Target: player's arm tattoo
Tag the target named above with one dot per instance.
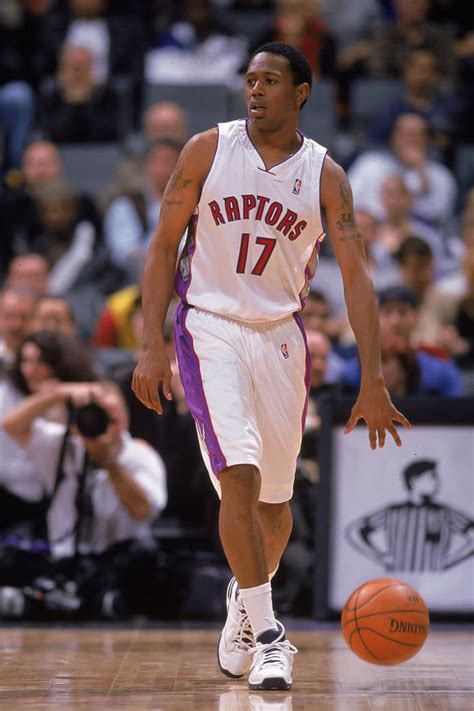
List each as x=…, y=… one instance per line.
x=347, y=223
x=176, y=183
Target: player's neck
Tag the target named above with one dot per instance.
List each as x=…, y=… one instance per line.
x=275, y=145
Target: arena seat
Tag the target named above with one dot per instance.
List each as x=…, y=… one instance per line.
x=318, y=116
x=370, y=96
x=89, y=167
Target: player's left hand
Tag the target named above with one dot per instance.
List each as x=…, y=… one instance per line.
x=375, y=407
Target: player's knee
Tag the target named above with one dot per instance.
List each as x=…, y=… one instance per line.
x=274, y=514
x=241, y=481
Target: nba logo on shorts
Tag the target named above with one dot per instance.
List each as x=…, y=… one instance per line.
x=296, y=187
x=284, y=350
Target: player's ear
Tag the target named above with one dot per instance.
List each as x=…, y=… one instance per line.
x=302, y=93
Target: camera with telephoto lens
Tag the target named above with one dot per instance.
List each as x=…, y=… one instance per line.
x=91, y=420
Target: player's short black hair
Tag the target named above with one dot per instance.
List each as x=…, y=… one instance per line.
x=416, y=469
x=299, y=65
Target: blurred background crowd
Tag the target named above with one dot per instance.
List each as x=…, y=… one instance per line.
x=97, y=98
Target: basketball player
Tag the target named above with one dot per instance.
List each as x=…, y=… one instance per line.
x=251, y=193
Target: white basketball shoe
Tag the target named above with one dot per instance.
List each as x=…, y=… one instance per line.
x=236, y=641
x=272, y=663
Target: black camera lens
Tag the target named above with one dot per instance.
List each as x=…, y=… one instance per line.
x=91, y=420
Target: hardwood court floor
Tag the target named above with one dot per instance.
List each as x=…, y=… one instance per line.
x=175, y=670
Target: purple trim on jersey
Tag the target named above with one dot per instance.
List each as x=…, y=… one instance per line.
x=307, y=375
x=309, y=274
x=182, y=284
x=191, y=378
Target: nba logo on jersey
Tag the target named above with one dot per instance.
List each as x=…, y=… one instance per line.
x=284, y=350
x=296, y=187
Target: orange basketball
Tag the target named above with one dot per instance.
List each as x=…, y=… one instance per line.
x=385, y=621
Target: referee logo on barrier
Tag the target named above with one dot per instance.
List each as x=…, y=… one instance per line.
x=419, y=534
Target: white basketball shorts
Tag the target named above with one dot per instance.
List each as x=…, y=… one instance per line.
x=246, y=386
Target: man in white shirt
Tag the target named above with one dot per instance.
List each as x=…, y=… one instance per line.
x=107, y=488
x=431, y=184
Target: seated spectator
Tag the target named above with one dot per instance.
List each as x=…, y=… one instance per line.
x=431, y=184
x=130, y=220
x=108, y=37
x=28, y=271
x=165, y=119
x=53, y=313
x=317, y=315
x=21, y=23
x=19, y=31
x=459, y=338
x=80, y=266
x=411, y=30
x=41, y=357
x=41, y=165
x=317, y=319
x=415, y=259
x=16, y=310
x=382, y=266
x=106, y=490
x=423, y=95
x=197, y=48
x=398, y=309
x=417, y=273
x=400, y=367
x=319, y=347
x=446, y=314
x=298, y=23
x=78, y=109
x=399, y=223
x=17, y=110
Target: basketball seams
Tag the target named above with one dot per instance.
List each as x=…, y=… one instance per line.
x=390, y=639
x=386, y=612
x=377, y=592
x=379, y=661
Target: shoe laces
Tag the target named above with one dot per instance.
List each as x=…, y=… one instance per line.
x=276, y=653
x=244, y=638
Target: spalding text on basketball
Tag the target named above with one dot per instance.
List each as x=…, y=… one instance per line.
x=412, y=627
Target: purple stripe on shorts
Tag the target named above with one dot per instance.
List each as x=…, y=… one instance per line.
x=191, y=378
x=307, y=375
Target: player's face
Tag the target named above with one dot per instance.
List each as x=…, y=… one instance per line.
x=270, y=93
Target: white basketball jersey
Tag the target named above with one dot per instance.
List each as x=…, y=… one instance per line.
x=252, y=245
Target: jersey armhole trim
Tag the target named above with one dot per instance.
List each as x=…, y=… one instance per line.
x=214, y=160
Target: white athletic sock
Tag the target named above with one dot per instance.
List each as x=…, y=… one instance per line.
x=259, y=607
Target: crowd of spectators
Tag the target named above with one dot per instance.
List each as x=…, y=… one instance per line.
x=77, y=72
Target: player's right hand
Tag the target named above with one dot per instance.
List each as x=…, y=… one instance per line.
x=151, y=374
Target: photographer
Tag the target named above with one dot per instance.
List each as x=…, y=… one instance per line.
x=106, y=489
